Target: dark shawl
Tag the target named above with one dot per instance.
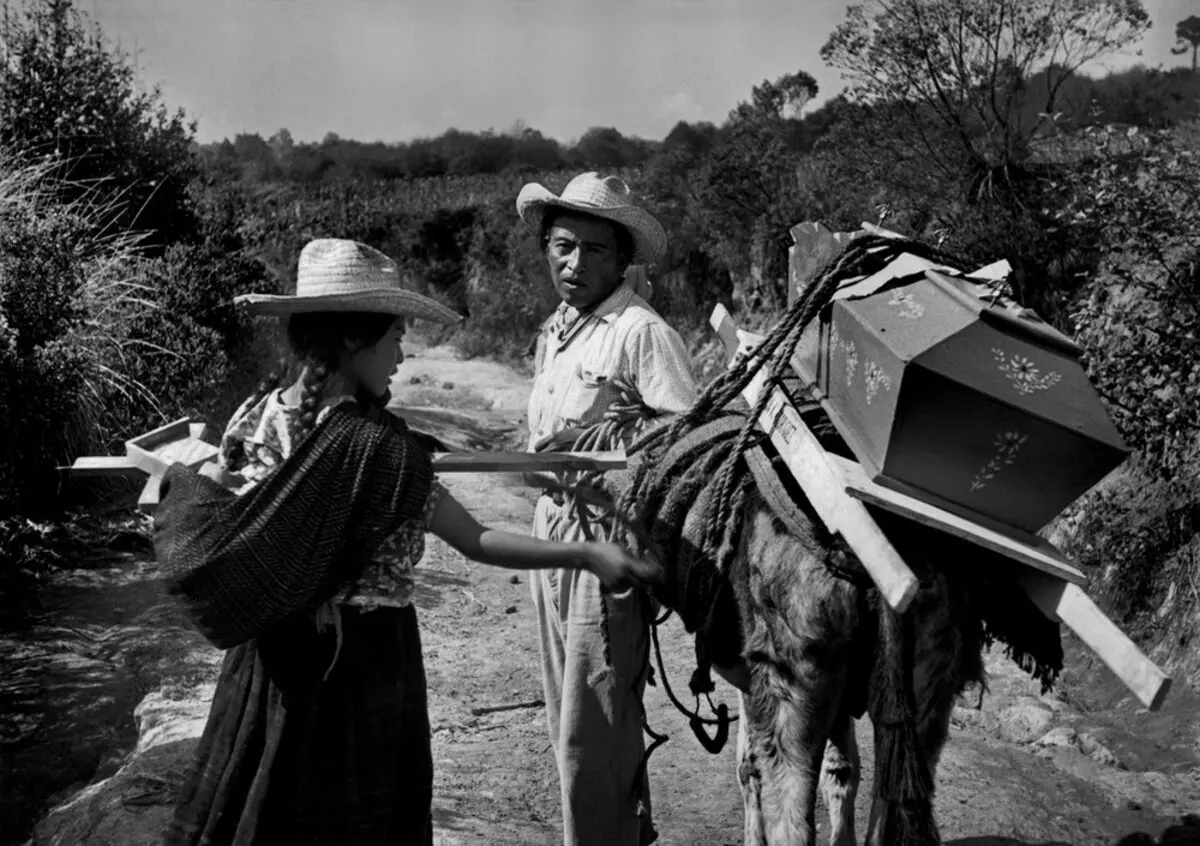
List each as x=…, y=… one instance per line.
x=242, y=565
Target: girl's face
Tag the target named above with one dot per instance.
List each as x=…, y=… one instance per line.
x=372, y=367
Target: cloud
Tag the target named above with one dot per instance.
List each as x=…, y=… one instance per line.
x=680, y=106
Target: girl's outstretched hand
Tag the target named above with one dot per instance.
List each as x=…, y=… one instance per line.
x=617, y=568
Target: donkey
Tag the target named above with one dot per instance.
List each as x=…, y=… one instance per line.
x=814, y=647
x=809, y=637
x=784, y=610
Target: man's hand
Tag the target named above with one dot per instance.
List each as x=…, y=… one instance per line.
x=561, y=441
x=628, y=407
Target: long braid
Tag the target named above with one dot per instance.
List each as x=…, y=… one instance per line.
x=312, y=391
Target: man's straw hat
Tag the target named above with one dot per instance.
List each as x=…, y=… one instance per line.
x=603, y=196
x=336, y=274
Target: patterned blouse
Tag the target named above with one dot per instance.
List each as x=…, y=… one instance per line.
x=269, y=431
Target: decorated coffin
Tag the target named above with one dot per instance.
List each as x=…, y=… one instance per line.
x=952, y=393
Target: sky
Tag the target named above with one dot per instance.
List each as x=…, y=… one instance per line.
x=393, y=70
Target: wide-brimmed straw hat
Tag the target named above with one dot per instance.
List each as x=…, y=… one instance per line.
x=337, y=274
x=607, y=197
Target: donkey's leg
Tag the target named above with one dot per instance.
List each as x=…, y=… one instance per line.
x=786, y=729
x=798, y=629
x=749, y=777
x=840, y=774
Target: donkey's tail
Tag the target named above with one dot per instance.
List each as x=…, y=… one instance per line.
x=903, y=810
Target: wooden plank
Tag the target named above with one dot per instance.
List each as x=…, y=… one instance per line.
x=103, y=465
x=148, y=499
x=825, y=488
x=1028, y=549
x=1067, y=602
x=522, y=462
x=443, y=462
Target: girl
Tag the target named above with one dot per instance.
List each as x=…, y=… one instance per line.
x=319, y=729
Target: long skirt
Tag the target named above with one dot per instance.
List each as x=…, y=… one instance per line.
x=288, y=757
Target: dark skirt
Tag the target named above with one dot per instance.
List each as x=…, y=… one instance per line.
x=287, y=758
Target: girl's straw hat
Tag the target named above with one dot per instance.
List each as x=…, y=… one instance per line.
x=336, y=274
x=602, y=196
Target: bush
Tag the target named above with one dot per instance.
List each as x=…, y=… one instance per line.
x=508, y=294
x=1139, y=317
x=66, y=96
x=98, y=342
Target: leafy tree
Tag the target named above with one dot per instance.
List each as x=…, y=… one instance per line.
x=604, y=148
x=695, y=137
x=950, y=78
x=65, y=94
x=1139, y=197
x=748, y=190
x=1187, y=33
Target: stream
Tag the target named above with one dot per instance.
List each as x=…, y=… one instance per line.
x=75, y=659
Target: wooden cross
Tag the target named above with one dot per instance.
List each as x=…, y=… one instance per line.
x=181, y=442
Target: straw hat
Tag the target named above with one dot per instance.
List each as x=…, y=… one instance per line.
x=336, y=274
x=603, y=196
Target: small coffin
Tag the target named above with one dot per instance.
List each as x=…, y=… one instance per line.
x=950, y=393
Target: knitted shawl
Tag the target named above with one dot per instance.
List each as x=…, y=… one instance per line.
x=242, y=565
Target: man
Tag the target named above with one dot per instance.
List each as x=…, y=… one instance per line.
x=603, y=347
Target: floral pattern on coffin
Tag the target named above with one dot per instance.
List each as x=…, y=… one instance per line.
x=1025, y=377
x=1007, y=445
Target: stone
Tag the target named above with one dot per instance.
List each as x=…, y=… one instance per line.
x=1059, y=737
x=1025, y=722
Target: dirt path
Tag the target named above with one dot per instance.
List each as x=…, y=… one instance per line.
x=1105, y=770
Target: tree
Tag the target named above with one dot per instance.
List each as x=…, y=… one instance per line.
x=950, y=77
x=694, y=137
x=782, y=99
x=1187, y=33
x=283, y=147
x=65, y=94
x=749, y=191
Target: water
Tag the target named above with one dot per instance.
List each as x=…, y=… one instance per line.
x=74, y=663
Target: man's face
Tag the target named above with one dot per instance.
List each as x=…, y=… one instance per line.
x=583, y=259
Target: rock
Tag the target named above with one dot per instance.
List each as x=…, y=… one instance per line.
x=447, y=386
x=514, y=580
x=512, y=609
x=1060, y=737
x=963, y=717
x=134, y=806
x=162, y=719
x=1099, y=753
x=1025, y=721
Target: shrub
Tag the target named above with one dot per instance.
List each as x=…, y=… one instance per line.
x=65, y=94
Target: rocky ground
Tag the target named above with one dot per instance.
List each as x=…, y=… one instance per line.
x=104, y=690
